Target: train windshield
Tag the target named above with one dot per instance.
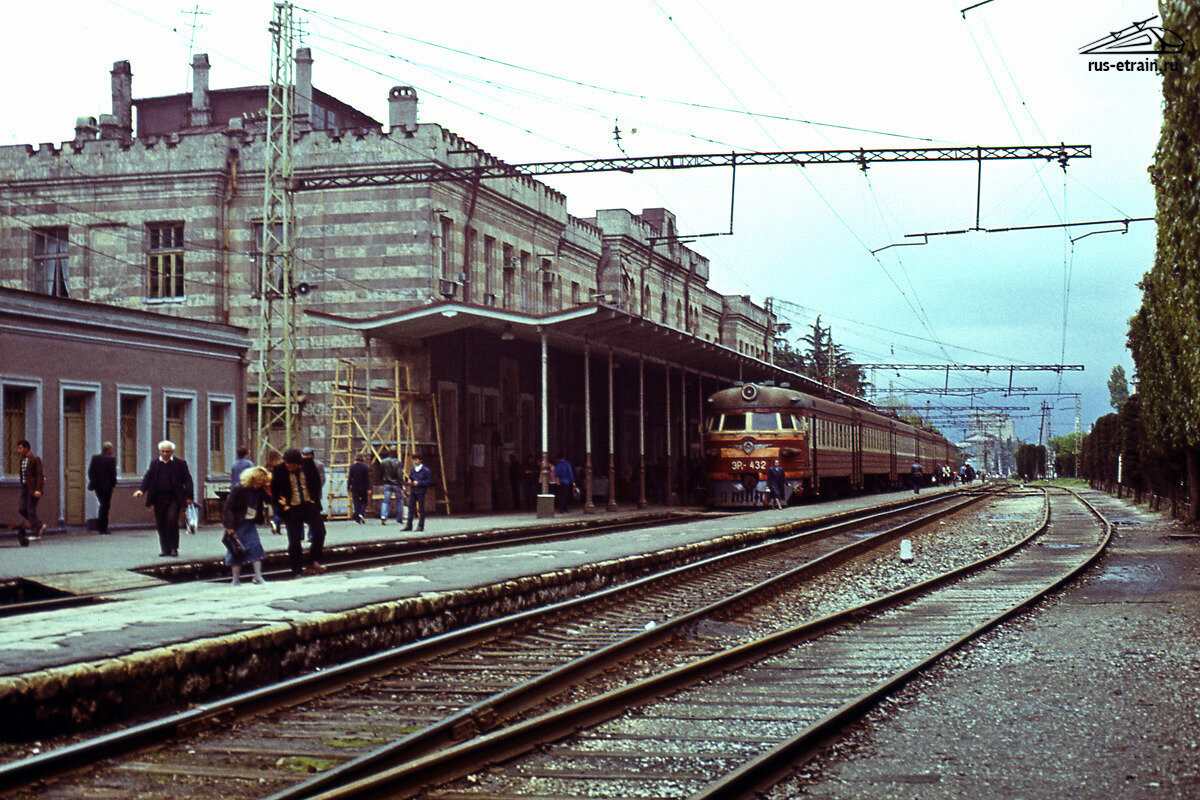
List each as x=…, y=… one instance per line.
x=756, y=421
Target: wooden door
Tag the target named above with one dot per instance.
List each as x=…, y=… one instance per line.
x=74, y=460
x=174, y=426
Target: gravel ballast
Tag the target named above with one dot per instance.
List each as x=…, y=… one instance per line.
x=1092, y=694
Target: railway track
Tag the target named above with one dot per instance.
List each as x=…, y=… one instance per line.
x=736, y=722
x=496, y=672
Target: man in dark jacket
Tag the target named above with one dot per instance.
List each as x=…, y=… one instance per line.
x=777, y=484
x=33, y=483
x=418, y=483
x=296, y=489
x=391, y=475
x=167, y=486
x=102, y=479
x=359, y=483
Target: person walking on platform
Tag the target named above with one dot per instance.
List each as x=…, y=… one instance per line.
x=529, y=483
x=391, y=475
x=311, y=455
x=917, y=475
x=358, y=481
x=566, y=483
x=419, y=481
x=102, y=479
x=243, y=463
x=33, y=483
x=777, y=484
x=167, y=487
x=274, y=459
x=296, y=487
x=241, y=515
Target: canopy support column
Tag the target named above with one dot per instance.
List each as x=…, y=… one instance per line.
x=641, y=432
x=589, y=507
x=612, y=440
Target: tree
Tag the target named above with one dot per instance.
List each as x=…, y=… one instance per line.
x=821, y=359
x=1118, y=388
x=1164, y=336
x=1031, y=461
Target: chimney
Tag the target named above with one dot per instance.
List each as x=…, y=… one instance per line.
x=122, y=101
x=402, y=109
x=86, y=129
x=198, y=115
x=110, y=128
x=304, y=89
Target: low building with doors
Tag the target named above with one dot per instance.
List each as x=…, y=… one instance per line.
x=76, y=374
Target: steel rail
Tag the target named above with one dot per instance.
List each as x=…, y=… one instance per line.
x=423, y=773
x=769, y=768
x=226, y=710
x=489, y=712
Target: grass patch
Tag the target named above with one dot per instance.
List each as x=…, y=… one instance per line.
x=306, y=764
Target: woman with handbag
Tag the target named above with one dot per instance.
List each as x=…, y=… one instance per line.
x=242, y=513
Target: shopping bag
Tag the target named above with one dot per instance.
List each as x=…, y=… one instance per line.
x=193, y=518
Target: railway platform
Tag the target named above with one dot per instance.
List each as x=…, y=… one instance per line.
x=165, y=644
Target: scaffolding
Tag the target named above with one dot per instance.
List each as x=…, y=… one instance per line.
x=373, y=408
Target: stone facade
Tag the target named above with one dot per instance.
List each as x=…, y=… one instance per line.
x=170, y=220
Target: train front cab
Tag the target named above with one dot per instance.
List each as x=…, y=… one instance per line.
x=741, y=445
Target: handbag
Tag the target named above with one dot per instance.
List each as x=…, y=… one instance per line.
x=193, y=518
x=575, y=493
x=233, y=544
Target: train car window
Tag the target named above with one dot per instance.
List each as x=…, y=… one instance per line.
x=733, y=422
x=786, y=423
x=764, y=422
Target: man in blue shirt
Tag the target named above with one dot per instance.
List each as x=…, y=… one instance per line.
x=235, y=471
x=566, y=483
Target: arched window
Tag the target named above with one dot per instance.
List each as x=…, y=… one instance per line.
x=645, y=301
x=663, y=308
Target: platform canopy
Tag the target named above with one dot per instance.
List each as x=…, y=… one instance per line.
x=598, y=325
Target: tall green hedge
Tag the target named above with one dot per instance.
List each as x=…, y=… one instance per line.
x=1164, y=336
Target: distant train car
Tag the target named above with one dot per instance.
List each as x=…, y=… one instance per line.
x=825, y=448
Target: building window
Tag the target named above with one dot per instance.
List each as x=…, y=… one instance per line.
x=132, y=442
x=471, y=284
x=663, y=309
x=18, y=414
x=220, y=432
x=489, y=269
x=165, y=267
x=174, y=424
x=575, y=296
x=443, y=249
x=548, y=281
x=258, y=247
x=526, y=280
x=50, y=261
x=510, y=276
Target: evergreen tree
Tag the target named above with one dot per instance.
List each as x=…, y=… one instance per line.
x=1118, y=388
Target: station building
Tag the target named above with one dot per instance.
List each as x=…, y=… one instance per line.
x=470, y=287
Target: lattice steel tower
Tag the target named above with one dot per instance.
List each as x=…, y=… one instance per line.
x=276, y=340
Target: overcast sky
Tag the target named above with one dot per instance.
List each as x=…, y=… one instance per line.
x=535, y=80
